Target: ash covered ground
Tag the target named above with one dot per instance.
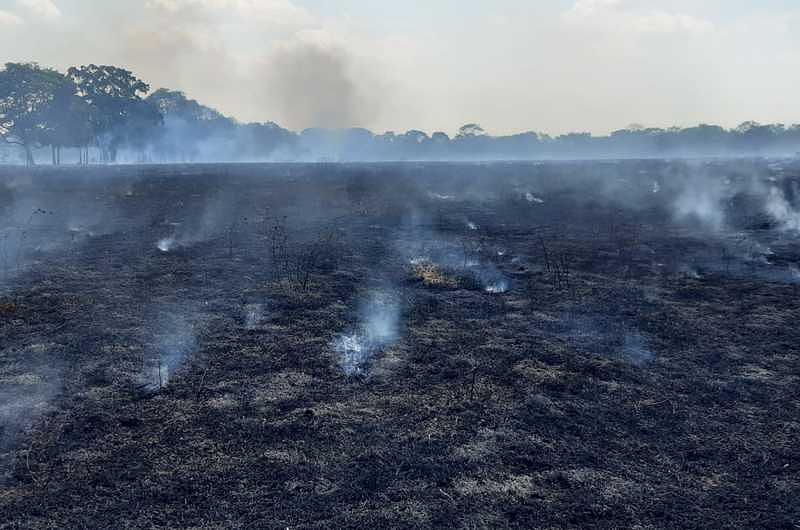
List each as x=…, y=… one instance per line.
x=594, y=344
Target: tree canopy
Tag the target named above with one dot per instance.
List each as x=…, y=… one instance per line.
x=29, y=97
x=112, y=113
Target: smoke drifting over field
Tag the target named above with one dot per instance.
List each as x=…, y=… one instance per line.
x=24, y=398
x=359, y=264
x=246, y=313
x=35, y=222
x=779, y=207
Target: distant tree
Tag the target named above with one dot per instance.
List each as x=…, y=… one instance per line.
x=635, y=127
x=702, y=139
x=754, y=137
x=139, y=128
x=188, y=126
x=793, y=138
x=470, y=130
x=175, y=104
x=471, y=142
x=415, y=137
x=257, y=141
x=27, y=96
x=115, y=96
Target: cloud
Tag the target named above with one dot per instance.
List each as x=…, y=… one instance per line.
x=9, y=19
x=248, y=12
x=45, y=9
x=620, y=15
x=590, y=8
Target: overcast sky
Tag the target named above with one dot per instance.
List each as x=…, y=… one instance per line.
x=511, y=65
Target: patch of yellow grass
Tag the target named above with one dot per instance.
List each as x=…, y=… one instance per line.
x=432, y=276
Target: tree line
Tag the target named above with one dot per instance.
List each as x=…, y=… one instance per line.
x=105, y=114
x=94, y=105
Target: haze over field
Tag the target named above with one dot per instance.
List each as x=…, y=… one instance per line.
x=554, y=66
x=427, y=264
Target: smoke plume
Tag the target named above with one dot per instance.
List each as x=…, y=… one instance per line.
x=316, y=86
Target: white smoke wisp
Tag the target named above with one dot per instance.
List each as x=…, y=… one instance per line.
x=218, y=218
x=533, y=199
x=173, y=345
x=253, y=316
x=491, y=279
x=701, y=203
x=24, y=398
x=689, y=271
x=379, y=328
x=635, y=348
x=498, y=287
x=166, y=244
x=782, y=210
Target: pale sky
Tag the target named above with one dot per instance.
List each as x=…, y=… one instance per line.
x=552, y=66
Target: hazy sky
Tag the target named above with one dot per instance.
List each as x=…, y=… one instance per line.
x=511, y=65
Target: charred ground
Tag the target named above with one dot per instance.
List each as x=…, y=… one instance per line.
x=606, y=344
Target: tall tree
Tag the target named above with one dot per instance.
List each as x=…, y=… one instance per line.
x=139, y=129
x=115, y=95
x=68, y=120
x=27, y=95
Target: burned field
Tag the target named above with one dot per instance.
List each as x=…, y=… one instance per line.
x=401, y=346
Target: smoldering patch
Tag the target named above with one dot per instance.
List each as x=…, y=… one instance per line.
x=167, y=244
x=171, y=346
x=468, y=263
x=490, y=278
x=782, y=210
x=254, y=316
x=604, y=335
x=533, y=199
x=378, y=328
